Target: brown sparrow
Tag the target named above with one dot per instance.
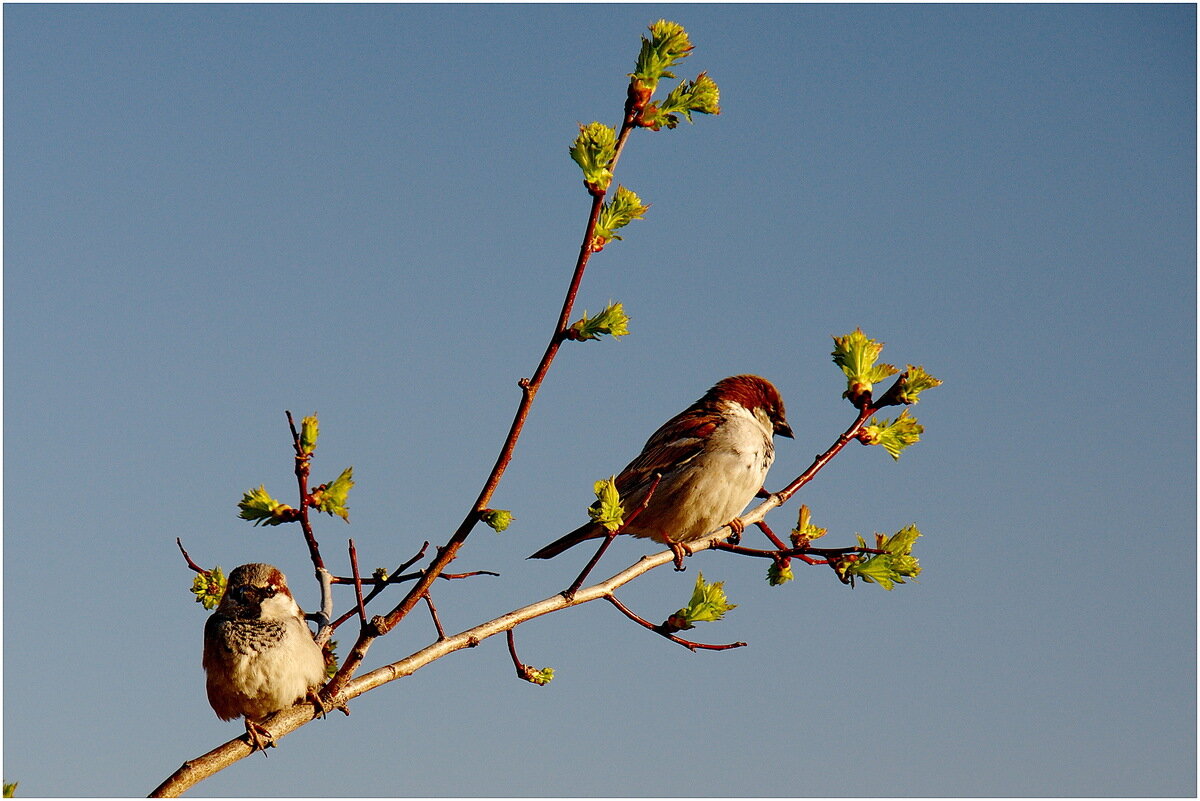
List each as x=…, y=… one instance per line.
x=712, y=456
x=259, y=654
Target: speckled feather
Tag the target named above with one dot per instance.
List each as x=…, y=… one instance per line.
x=713, y=457
x=259, y=655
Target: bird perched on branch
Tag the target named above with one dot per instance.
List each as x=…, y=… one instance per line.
x=712, y=458
x=259, y=655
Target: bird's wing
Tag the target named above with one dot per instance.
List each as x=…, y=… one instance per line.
x=676, y=443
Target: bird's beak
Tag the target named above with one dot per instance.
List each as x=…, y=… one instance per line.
x=783, y=430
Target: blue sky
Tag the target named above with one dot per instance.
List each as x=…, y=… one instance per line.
x=216, y=213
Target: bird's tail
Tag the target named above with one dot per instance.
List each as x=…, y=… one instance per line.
x=585, y=532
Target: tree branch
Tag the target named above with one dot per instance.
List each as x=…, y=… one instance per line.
x=381, y=625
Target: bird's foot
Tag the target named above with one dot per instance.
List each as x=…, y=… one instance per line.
x=258, y=737
x=736, y=526
x=314, y=697
x=680, y=550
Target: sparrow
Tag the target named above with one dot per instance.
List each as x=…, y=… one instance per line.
x=712, y=458
x=259, y=654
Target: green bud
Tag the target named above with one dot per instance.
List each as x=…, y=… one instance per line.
x=258, y=506
x=780, y=573
x=668, y=43
x=331, y=660
x=856, y=354
x=805, y=532
x=913, y=382
x=607, y=510
x=331, y=498
x=893, y=435
x=700, y=95
x=308, y=434
x=209, y=587
x=612, y=321
x=593, y=150
x=498, y=519
x=890, y=568
x=624, y=207
x=539, y=676
x=708, y=604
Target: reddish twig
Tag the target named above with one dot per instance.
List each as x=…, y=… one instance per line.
x=524, y=672
x=378, y=586
x=823, y=459
x=828, y=553
x=303, y=464
x=778, y=543
x=397, y=578
x=663, y=631
x=569, y=593
x=529, y=388
x=358, y=594
x=522, y=668
x=436, y=622
x=188, y=559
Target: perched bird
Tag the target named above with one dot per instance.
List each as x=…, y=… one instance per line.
x=259, y=655
x=712, y=456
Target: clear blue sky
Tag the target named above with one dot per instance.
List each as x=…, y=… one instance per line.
x=216, y=213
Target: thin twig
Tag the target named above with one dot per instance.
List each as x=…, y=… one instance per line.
x=529, y=389
x=662, y=630
x=378, y=586
x=523, y=671
x=785, y=494
x=433, y=612
x=303, y=464
x=358, y=594
x=188, y=559
x=828, y=553
x=609, y=537
x=292, y=718
x=765, y=529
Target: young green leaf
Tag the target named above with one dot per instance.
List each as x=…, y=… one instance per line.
x=780, y=573
x=913, y=382
x=539, y=676
x=258, y=506
x=668, y=44
x=308, y=434
x=612, y=321
x=331, y=498
x=893, y=435
x=708, y=604
x=891, y=568
x=331, y=660
x=209, y=587
x=593, y=150
x=805, y=532
x=622, y=208
x=607, y=510
x=700, y=95
x=856, y=354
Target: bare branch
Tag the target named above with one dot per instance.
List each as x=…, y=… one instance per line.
x=662, y=629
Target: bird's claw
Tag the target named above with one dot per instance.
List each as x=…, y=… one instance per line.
x=680, y=550
x=314, y=697
x=258, y=737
